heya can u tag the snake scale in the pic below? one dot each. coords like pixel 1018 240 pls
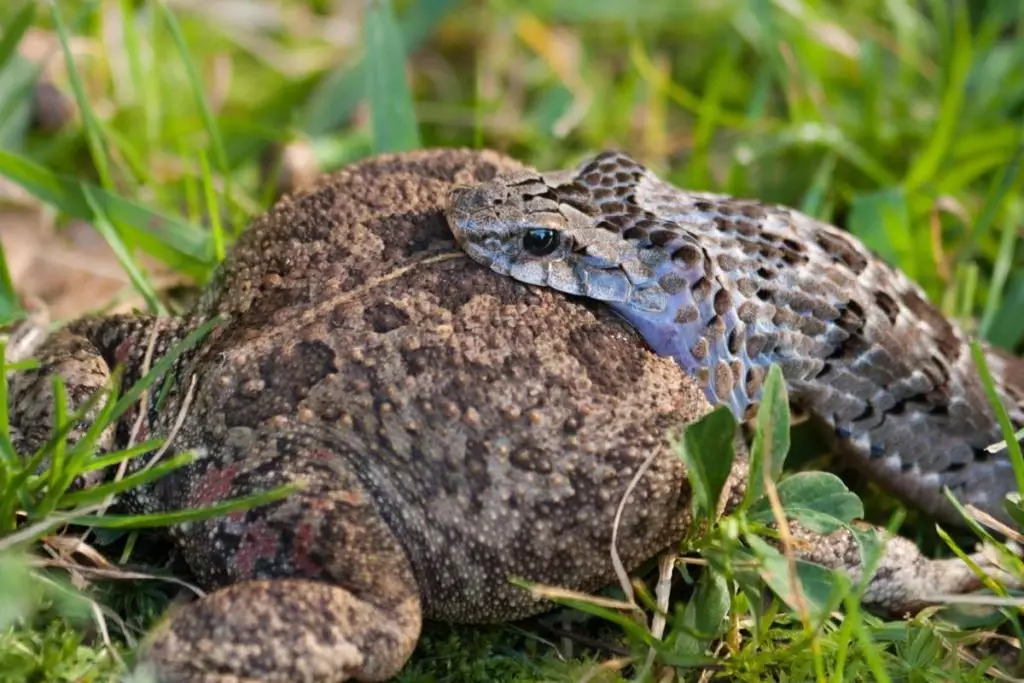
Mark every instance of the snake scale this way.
pixel 728 286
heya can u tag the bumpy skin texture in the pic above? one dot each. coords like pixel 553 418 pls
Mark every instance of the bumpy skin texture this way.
pixel 449 429
pixel 728 286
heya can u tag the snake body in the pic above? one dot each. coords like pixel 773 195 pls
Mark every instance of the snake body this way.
pixel 728 286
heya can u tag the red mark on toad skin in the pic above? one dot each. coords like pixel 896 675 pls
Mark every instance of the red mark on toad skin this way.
pixel 321 455
pixel 214 485
pixel 122 351
pixel 305 538
pixel 258 543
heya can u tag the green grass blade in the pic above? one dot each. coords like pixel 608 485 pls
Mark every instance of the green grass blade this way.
pixel 1008 178
pixel 98 493
pixel 929 162
pixel 102 462
pixel 93 134
pixel 336 97
pixel 14 29
pixel 162 366
pixel 212 210
pixel 10 305
pixel 220 157
pixel 182 516
pixel 173 241
pixel 138 279
pixel 16 78
pixel 1000 275
pixel 392 112
pixel 1006 427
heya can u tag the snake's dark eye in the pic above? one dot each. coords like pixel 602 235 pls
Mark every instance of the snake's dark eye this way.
pixel 540 241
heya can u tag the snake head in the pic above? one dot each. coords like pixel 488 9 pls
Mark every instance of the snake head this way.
pixel 540 230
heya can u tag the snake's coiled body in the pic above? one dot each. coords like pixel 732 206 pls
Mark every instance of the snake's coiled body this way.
pixel 728 286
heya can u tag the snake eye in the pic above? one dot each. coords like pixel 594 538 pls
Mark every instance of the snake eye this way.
pixel 540 241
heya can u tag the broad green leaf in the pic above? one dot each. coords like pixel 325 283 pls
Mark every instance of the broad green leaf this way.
pixel 706 449
pixel 392 112
pixel 771 438
pixel 822 589
pixel 819 500
pixel 704 617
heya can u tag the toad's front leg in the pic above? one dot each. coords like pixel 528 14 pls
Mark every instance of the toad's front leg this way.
pixel 83 355
pixel 314 587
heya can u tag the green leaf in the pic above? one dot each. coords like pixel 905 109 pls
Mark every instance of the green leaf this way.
pixel 1007 327
pixel 704 617
pixel 771 438
pixel 707 451
pixel 392 113
pixel 822 588
pixel 818 500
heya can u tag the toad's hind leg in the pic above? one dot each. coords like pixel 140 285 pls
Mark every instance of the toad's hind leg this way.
pixel 316 586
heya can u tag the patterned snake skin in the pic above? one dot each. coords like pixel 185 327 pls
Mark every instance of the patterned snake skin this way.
pixel 727 286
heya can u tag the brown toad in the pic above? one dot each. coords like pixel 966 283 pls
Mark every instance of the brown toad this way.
pixel 449 429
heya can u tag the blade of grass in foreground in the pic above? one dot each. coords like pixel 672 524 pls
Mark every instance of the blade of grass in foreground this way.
pixel 392 113
pixel 1012 445
pixel 182 516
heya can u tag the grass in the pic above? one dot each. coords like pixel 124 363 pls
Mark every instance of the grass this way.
pixel 902 121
